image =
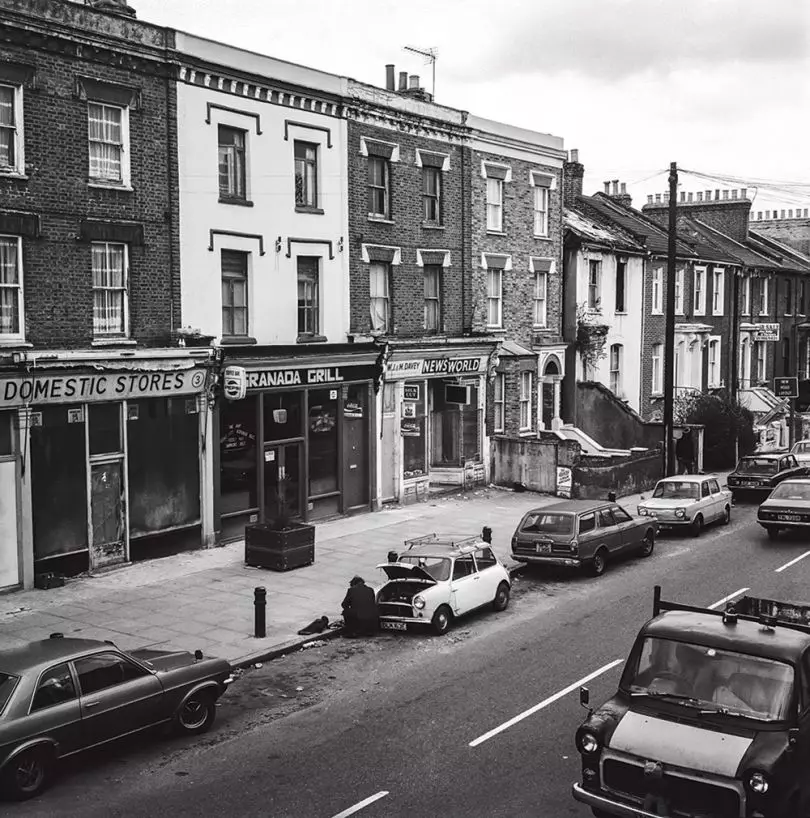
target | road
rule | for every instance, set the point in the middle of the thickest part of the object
(478, 723)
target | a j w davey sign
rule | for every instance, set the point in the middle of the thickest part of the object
(435, 366)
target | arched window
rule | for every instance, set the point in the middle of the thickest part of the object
(552, 366)
(616, 354)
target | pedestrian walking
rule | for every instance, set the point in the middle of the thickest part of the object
(360, 615)
(685, 453)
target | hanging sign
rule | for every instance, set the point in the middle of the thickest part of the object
(234, 382)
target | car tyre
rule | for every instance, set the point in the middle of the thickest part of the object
(773, 531)
(442, 620)
(697, 525)
(27, 775)
(599, 563)
(726, 518)
(647, 544)
(197, 713)
(501, 601)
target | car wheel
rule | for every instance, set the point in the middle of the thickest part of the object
(726, 518)
(196, 715)
(647, 544)
(28, 774)
(441, 620)
(697, 525)
(773, 531)
(501, 601)
(599, 563)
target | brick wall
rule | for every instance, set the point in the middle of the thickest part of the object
(57, 267)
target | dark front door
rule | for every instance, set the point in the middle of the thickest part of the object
(282, 481)
(355, 439)
(548, 404)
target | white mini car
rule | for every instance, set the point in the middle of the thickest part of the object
(688, 501)
(438, 579)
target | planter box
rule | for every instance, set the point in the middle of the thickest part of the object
(279, 549)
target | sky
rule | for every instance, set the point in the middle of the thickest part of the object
(722, 87)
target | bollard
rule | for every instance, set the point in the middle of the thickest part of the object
(259, 612)
(486, 534)
(611, 496)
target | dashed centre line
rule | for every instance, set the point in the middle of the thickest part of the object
(361, 804)
(792, 562)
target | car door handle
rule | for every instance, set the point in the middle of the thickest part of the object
(94, 703)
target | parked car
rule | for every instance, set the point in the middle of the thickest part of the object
(787, 507)
(688, 501)
(438, 579)
(801, 451)
(61, 696)
(581, 534)
(757, 474)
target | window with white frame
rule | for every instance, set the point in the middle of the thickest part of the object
(679, 277)
(232, 163)
(379, 296)
(433, 289)
(657, 290)
(594, 283)
(11, 141)
(432, 195)
(306, 174)
(698, 292)
(540, 210)
(657, 369)
(494, 204)
(761, 348)
(620, 294)
(525, 401)
(379, 187)
(499, 402)
(718, 290)
(494, 297)
(616, 354)
(108, 136)
(109, 261)
(540, 287)
(309, 302)
(764, 300)
(234, 293)
(746, 295)
(714, 362)
(12, 322)
(744, 368)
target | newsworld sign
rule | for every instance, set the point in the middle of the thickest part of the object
(435, 366)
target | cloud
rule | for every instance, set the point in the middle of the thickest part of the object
(613, 39)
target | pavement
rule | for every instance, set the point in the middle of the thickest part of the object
(204, 599)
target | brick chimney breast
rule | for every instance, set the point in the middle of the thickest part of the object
(573, 172)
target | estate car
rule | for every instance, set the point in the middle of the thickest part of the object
(688, 501)
(787, 507)
(581, 534)
(757, 474)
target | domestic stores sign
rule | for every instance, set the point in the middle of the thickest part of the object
(430, 367)
(45, 388)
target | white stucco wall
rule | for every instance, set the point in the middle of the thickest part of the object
(272, 278)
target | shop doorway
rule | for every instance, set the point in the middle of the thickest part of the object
(282, 481)
(355, 425)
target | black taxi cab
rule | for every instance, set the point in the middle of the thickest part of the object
(711, 717)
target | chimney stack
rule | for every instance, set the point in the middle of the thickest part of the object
(574, 154)
(615, 187)
(403, 80)
(607, 188)
(414, 86)
(389, 78)
(573, 172)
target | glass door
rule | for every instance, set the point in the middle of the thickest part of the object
(282, 482)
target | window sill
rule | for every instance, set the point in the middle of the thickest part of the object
(379, 219)
(14, 174)
(318, 211)
(621, 312)
(495, 328)
(113, 342)
(543, 237)
(432, 226)
(99, 185)
(537, 327)
(496, 232)
(656, 312)
(656, 394)
(15, 342)
(236, 340)
(228, 200)
(311, 339)
(527, 433)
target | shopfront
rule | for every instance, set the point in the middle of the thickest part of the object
(107, 455)
(433, 421)
(300, 442)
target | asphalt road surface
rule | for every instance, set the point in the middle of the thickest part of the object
(477, 723)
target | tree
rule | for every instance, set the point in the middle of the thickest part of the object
(724, 420)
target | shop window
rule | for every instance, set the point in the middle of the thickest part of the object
(413, 430)
(6, 439)
(323, 441)
(282, 415)
(164, 466)
(105, 428)
(237, 468)
(455, 427)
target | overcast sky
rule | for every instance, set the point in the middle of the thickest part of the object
(720, 86)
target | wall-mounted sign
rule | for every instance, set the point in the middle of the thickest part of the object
(352, 409)
(45, 388)
(77, 415)
(435, 366)
(308, 376)
(767, 332)
(234, 382)
(410, 428)
(411, 391)
(786, 387)
(409, 410)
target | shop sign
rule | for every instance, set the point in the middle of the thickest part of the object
(767, 332)
(564, 481)
(352, 409)
(435, 366)
(412, 391)
(234, 382)
(410, 428)
(308, 376)
(409, 410)
(64, 388)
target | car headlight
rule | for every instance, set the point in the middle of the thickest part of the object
(418, 602)
(758, 782)
(642, 511)
(574, 547)
(588, 743)
(680, 512)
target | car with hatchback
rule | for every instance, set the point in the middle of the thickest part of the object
(786, 508)
(582, 534)
(801, 451)
(757, 474)
(688, 501)
(60, 696)
(438, 579)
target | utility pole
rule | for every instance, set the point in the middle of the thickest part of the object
(669, 331)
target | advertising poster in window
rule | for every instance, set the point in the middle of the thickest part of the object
(411, 428)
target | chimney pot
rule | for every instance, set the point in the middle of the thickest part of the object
(689, 196)
(683, 196)
(649, 198)
(574, 155)
(624, 188)
(615, 187)
(725, 195)
(744, 193)
(389, 77)
(657, 198)
(403, 80)
(700, 195)
(414, 82)
(607, 187)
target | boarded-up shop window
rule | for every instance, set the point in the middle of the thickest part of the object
(164, 467)
(58, 487)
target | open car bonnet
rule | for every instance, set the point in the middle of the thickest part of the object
(406, 570)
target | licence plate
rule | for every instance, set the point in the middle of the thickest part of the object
(749, 483)
(789, 518)
(393, 626)
(543, 548)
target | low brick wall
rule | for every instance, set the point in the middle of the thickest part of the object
(594, 477)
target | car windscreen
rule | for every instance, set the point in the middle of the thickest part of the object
(677, 490)
(802, 447)
(542, 522)
(757, 465)
(437, 567)
(791, 491)
(712, 679)
(7, 685)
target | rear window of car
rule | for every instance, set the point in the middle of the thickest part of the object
(791, 491)
(7, 685)
(757, 465)
(548, 523)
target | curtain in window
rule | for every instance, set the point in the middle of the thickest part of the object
(378, 286)
(108, 289)
(106, 141)
(305, 174)
(7, 127)
(9, 287)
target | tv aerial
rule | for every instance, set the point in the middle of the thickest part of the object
(430, 55)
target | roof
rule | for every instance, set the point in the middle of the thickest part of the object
(438, 544)
(513, 348)
(45, 652)
(788, 257)
(572, 506)
(579, 224)
(763, 456)
(688, 478)
(738, 251)
(781, 644)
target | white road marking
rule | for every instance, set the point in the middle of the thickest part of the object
(362, 804)
(727, 598)
(545, 703)
(792, 562)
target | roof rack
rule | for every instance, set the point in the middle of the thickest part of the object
(766, 612)
(442, 542)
